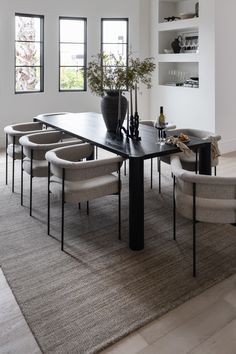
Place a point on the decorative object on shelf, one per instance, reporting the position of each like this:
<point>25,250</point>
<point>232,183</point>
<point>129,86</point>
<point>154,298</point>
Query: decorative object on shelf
<point>188,42</point>
<point>168,51</point>
<point>197,9</point>
<point>171,18</point>
<point>107,74</point>
<point>176,44</point>
<point>192,82</point>
<point>187,16</point>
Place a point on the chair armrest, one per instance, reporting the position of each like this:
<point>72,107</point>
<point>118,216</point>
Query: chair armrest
<point>69,155</point>
<point>23,128</point>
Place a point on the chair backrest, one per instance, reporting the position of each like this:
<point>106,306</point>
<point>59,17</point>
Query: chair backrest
<point>20,129</point>
<point>151,123</point>
<point>76,169</point>
<point>203,134</point>
<point>42,142</point>
<point>215,196</point>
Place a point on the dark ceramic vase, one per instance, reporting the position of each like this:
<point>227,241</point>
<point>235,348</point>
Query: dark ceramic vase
<point>109,108</point>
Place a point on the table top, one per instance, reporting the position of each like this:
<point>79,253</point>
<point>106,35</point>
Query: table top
<point>90,127</point>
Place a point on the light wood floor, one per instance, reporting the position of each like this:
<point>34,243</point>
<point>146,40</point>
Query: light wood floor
<point>204,325</point>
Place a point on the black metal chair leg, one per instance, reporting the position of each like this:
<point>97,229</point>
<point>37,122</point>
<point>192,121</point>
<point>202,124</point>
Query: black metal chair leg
<point>151,171</point>
<point>194,230</point>
<point>48,226</point>
<point>21,177</point>
<point>125,168</point>
<point>87,207</point>
<point>6,159</point>
<point>119,206</point>
<point>13,166</point>
<point>62,209</point>
<point>159,173</point>
<point>174,210</point>
<point>215,170</point>
<point>31,180</point>
<point>196,161</point>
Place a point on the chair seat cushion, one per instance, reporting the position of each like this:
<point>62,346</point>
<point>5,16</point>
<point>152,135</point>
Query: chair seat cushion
<point>40,167</point>
<point>85,190</point>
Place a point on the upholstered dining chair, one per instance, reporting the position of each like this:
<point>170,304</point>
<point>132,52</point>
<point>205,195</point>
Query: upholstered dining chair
<point>203,198</point>
<point>75,180</point>
<point>13,149</point>
<point>34,147</point>
<point>151,123</point>
<point>190,161</point>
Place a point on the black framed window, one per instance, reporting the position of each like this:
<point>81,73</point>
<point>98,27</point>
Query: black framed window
<point>29,53</point>
<point>115,39</point>
<point>73,54</point>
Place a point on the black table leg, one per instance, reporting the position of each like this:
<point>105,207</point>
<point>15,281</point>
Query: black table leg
<point>136,204</point>
<point>205,159</point>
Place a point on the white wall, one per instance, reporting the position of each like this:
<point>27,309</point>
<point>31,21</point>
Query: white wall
<point>22,107</point>
<point>226,73</point>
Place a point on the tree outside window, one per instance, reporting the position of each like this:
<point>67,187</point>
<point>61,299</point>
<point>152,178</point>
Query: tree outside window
<point>28,53</point>
<point>114,43</point>
<point>73,52</point>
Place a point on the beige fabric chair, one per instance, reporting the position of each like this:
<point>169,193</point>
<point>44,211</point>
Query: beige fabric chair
<point>151,123</point>
<point>189,161</point>
<point>13,148</point>
<point>74,180</point>
<point>34,148</point>
<point>202,198</point>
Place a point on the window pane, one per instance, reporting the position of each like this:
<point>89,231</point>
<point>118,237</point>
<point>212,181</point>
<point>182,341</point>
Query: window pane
<point>71,78</point>
<point>114,31</point>
<point>27,79</point>
<point>72,31</point>
<point>118,50</point>
<point>27,28</point>
<point>72,54</point>
<point>27,53</point>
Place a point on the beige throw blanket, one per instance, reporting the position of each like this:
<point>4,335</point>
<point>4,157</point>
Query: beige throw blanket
<point>215,152</point>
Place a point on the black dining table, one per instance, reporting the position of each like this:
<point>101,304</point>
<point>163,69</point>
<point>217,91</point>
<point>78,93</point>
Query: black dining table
<point>90,127</point>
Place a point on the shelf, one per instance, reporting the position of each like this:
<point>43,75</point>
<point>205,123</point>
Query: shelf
<point>177,72</point>
<point>182,57</point>
<point>177,68</point>
<point>178,87</point>
<point>189,24</point>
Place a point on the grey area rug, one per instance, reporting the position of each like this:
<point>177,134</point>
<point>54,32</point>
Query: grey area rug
<point>83,303</point>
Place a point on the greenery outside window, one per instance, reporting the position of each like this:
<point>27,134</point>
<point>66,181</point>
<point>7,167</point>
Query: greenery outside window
<point>114,43</point>
<point>29,53</point>
<point>73,54</point>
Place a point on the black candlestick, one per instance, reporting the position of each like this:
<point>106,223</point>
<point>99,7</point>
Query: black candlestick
<point>136,116</point>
